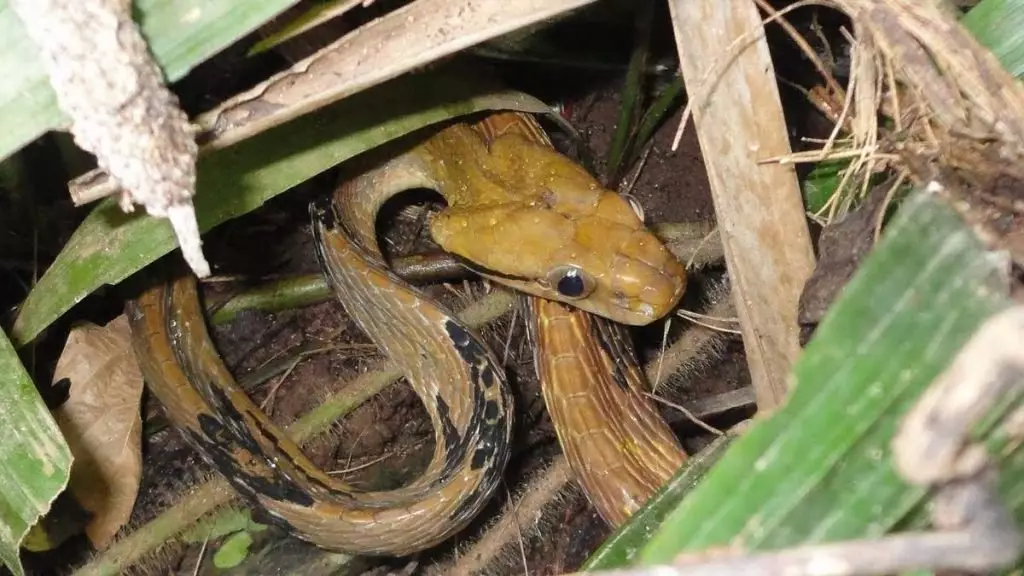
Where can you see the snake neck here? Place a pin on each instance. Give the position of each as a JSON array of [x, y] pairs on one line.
[[456, 163], [358, 201]]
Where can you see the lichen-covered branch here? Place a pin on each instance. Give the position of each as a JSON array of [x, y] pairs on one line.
[[113, 91]]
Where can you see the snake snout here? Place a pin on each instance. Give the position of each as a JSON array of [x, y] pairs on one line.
[[645, 293]]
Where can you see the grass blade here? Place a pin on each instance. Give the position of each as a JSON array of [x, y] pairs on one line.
[[632, 98]]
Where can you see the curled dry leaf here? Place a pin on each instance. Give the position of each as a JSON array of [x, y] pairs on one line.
[[102, 423]]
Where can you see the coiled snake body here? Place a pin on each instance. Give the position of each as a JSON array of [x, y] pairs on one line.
[[520, 214]]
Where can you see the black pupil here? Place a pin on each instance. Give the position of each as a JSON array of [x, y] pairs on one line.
[[571, 284]]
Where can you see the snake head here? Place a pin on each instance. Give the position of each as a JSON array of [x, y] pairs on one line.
[[540, 224]]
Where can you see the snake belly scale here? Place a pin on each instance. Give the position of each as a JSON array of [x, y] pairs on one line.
[[454, 373]]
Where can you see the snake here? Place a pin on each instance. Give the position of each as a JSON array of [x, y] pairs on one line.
[[519, 214]]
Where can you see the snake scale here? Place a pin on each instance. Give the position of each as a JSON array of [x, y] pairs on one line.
[[520, 214]]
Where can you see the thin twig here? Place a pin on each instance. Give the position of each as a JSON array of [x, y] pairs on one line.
[[268, 402], [880, 218], [199, 560], [661, 353], [686, 413], [698, 320], [349, 469], [801, 42], [695, 346]]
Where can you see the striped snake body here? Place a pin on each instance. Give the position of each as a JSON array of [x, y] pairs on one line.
[[520, 214]]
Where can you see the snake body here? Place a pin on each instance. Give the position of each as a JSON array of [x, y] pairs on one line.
[[520, 214], [619, 447], [461, 383]]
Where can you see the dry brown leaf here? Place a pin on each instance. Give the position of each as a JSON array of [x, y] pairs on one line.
[[102, 423]]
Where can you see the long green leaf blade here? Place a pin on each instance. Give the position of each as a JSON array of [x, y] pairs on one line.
[[181, 34], [35, 462], [819, 469], [110, 245]]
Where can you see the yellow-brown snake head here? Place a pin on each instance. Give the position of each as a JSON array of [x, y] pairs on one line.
[[540, 223]]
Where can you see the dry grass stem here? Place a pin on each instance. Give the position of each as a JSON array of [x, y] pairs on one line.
[[686, 413]]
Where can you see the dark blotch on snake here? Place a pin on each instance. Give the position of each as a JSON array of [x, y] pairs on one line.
[[250, 483], [487, 377], [469, 348], [231, 433], [473, 353], [481, 456], [491, 410], [453, 441]]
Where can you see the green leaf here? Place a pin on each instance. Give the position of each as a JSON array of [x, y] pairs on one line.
[[663, 103], [110, 245], [999, 26], [631, 97], [180, 35], [821, 183], [35, 462], [819, 469], [234, 549]]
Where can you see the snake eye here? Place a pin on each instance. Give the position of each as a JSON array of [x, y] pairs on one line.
[[571, 282]]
